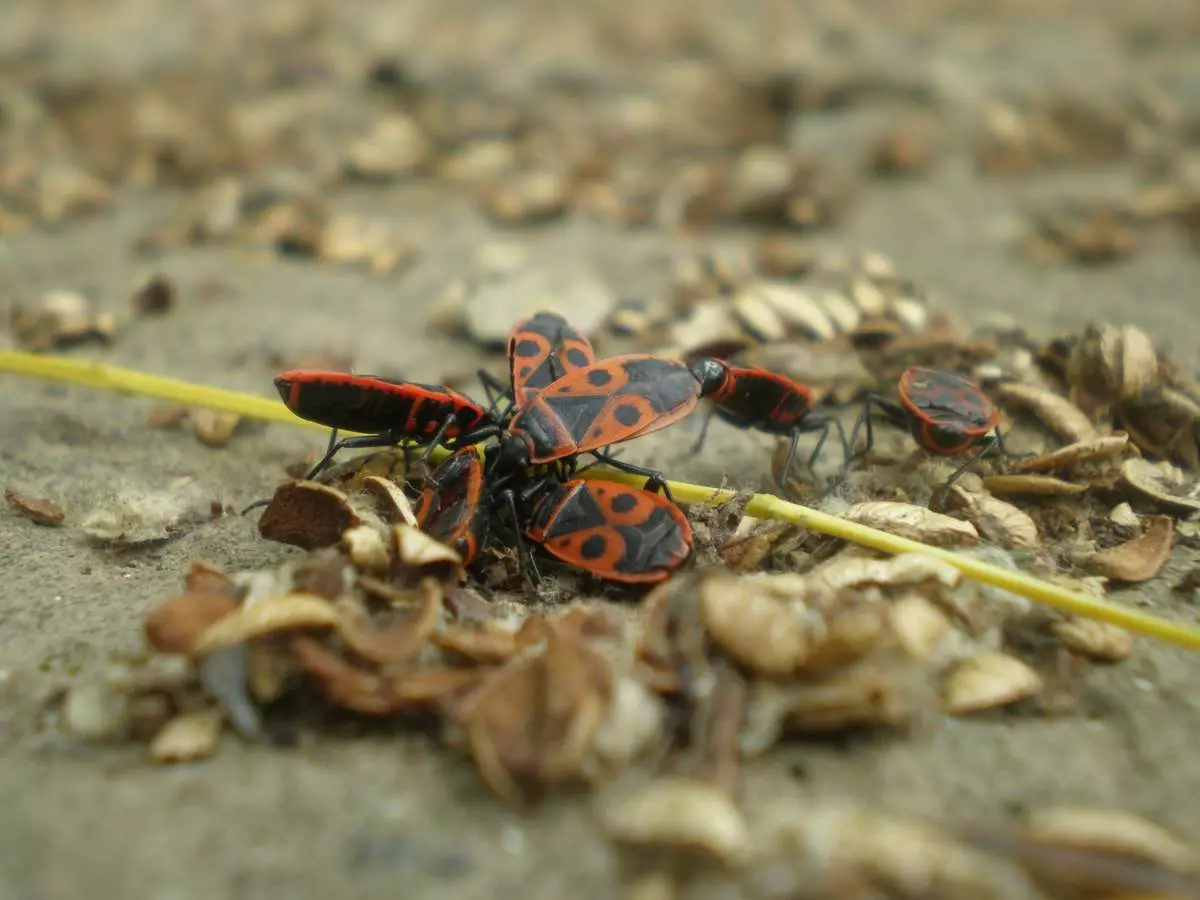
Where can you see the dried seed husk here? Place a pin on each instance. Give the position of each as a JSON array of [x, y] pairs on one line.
[[1099, 641], [633, 723], [709, 323], [442, 687], [62, 317], [96, 710], [989, 680], [778, 625], [268, 615], [920, 626], [795, 308], [758, 316], [1164, 423], [679, 815], [402, 641], [269, 667], [850, 571], [176, 625], [914, 522], [1057, 413], [843, 851], [214, 428], [1042, 485], [42, 512], [1096, 450], [308, 515], [344, 684], [188, 737], [393, 495], [394, 146], [1111, 831], [1162, 483], [1112, 362], [1141, 558], [867, 695], [998, 521], [367, 549], [535, 718], [492, 642], [536, 195], [417, 550], [749, 546], [205, 578]]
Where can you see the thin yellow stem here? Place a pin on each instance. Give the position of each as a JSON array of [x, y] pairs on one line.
[[105, 377]]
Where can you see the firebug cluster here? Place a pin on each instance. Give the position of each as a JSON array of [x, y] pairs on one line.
[[512, 473]]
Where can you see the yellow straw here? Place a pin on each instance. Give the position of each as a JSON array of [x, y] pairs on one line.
[[128, 381], [765, 506]]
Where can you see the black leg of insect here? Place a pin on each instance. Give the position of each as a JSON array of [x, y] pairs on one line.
[[810, 425], [495, 391], [891, 412], [526, 564], [695, 448], [655, 483], [986, 445]]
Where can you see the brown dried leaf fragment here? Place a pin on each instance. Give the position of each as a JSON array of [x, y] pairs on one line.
[[177, 625], [1095, 450], [913, 522], [188, 737], [490, 643], [679, 815], [307, 515], [268, 615], [1141, 558], [989, 680], [213, 428], [1057, 413], [39, 511]]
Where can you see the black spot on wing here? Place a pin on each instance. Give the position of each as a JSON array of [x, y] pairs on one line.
[[599, 377], [623, 503]]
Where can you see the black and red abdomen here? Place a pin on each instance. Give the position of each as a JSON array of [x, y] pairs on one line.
[[449, 508], [371, 405], [613, 530], [608, 402], [947, 400], [767, 401]]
